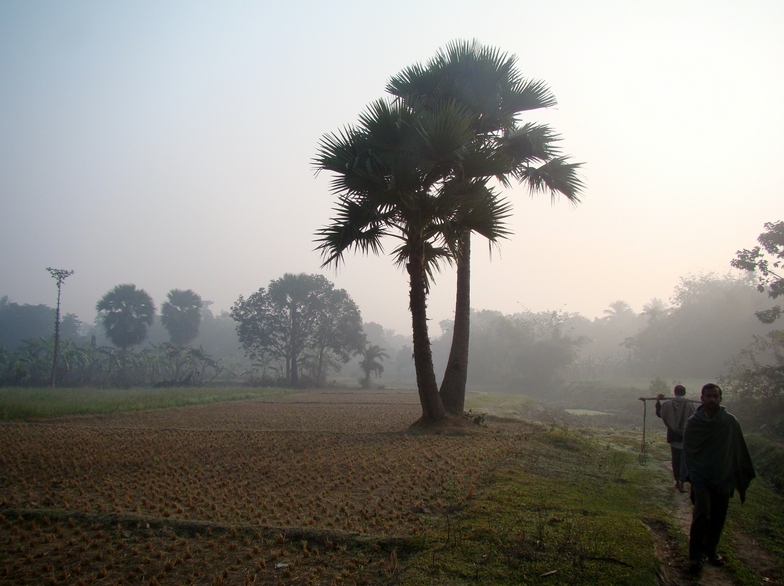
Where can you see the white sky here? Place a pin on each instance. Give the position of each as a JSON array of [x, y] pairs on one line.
[[170, 144]]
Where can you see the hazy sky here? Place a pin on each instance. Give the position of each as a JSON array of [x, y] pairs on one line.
[[170, 144]]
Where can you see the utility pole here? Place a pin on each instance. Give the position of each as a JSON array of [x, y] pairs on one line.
[[59, 275]]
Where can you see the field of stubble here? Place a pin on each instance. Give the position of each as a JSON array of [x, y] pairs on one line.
[[310, 488]]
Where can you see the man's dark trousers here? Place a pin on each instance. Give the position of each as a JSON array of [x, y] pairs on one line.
[[710, 511]]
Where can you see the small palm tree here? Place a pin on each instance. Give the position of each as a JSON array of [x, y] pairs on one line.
[[372, 356], [181, 316], [126, 313]]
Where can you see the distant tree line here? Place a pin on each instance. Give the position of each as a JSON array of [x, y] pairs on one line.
[[125, 314], [299, 329], [295, 332], [707, 323], [21, 322]]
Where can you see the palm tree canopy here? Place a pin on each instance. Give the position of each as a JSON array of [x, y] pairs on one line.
[[393, 174], [181, 315], [126, 313], [617, 309], [487, 84]]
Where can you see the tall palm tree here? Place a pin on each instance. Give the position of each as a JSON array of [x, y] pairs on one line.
[[126, 313], [59, 276], [181, 315], [393, 174], [488, 85]]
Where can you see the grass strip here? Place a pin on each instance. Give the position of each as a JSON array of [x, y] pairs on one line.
[[24, 403], [563, 509]]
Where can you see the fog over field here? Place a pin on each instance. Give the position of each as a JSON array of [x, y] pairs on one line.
[[170, 145]]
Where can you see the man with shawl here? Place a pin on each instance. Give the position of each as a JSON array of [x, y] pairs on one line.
[[675, 413], [718, 463]]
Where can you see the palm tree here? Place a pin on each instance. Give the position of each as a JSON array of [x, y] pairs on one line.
[[181, 316], [655, 309], [488, 85], [372, 356], [617, 309], [393, 174], [126, 313]]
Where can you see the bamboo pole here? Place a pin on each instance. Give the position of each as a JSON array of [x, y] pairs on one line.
[[668, 399]]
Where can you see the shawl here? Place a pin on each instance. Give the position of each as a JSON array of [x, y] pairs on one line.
[[675, 412], [716, 454]]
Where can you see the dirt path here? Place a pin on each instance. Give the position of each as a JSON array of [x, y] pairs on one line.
[[669, 549]]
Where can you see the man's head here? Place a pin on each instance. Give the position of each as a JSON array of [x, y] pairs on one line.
[[679, 390], [711, 398]]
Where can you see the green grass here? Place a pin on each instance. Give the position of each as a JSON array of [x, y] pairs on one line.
[[768, 457], [24, 403], [761, 517], [495, 401], [566, 508], [573, 506]]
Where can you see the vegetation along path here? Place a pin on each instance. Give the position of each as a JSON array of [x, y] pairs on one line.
[[333, 487]]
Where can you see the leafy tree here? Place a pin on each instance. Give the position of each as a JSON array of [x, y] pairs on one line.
[[126, 313], [765, 261], [217, 333], [756, 374], [488, 85], [181, 316], [372, 356], [338, 331], [22, 322], [294, 315], [756, 378], [404, 361]]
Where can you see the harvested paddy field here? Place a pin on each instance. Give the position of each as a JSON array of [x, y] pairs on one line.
[[318, 487], [259, 490]]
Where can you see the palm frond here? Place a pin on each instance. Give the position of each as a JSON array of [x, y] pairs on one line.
[[355, 226], [556, 176], [528, 95], [531, 141]]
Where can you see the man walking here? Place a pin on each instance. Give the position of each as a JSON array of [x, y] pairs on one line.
[[718, 463], [675, 413]]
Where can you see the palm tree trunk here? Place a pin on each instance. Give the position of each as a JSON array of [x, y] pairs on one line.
[[432, 407], [453, 387]]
